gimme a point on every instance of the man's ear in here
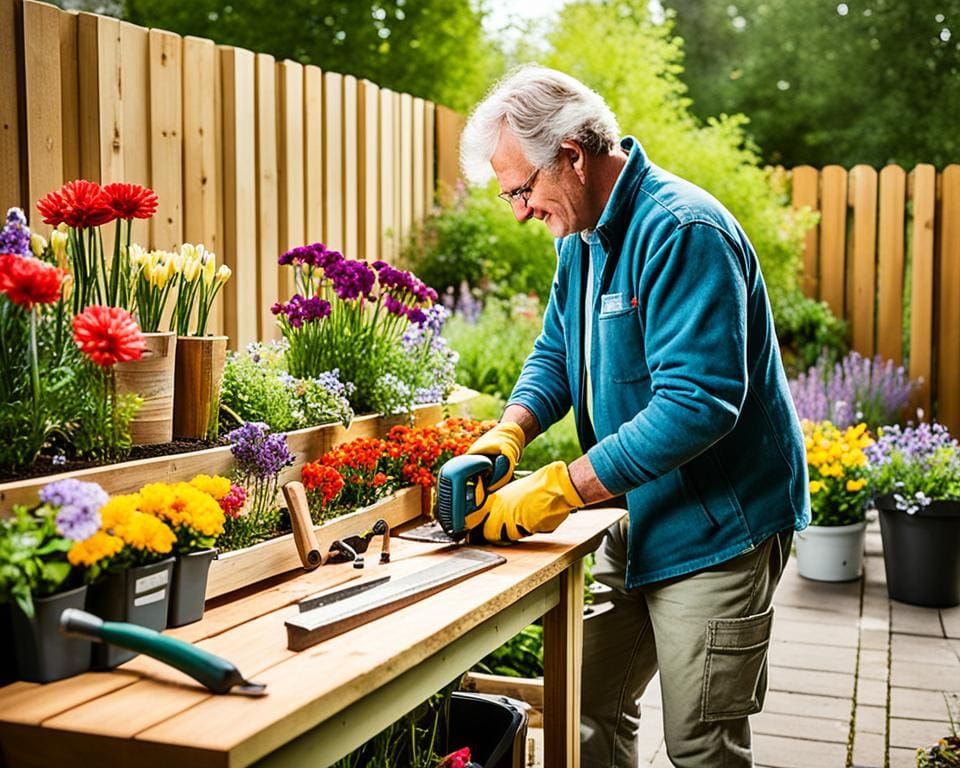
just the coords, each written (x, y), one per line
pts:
(572, 153)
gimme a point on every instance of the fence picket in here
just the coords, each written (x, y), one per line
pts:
(351, 167)
(11, 193)
(368, 129)
(166, 138)
(429, 151)
(419, 170)
(948, 349)
(833, 238)
(406, 166)
(893, 181)
(923, 182)
(313, 152)
(69, 96)
(271, 283)
(862, 287)
(806, 185)
(333, 160)
(449, 126)
(136, 88)
(100, 78)
(290, 168)
(388, 223)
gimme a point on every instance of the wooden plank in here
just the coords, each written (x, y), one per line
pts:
(30, 703)
(44, 140)
(333, 160)
(893, 187)
(833, 238)
(419, 164)
(948, 357)
(69, 96)
(429, 153)
(12, 167)
(239, 194)
(313, 153)
(200, 152)
(289, 157)
(368, 127)
(138, 115)
(406, 168)
(449, 126)
(806, 187)
(269, 276)
(923, 184)
(166, 138)
(562, 653)
(351, 169)
(397, 179)
(863, 287)
(388, 223)
(101, 94)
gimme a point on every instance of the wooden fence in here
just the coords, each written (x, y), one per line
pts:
(886, 256)
(248, 155)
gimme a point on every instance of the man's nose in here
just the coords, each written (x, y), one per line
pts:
(522, 211)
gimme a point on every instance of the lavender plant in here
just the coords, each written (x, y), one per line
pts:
(916, 464)
(260, 456)
(854, 390)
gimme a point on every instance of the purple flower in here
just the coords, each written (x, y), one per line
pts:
(417, 316)
(300, 310)
(259, 453)
(15, 236)
(79, 503)
(917, 445)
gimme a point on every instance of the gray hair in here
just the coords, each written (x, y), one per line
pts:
(541, 108)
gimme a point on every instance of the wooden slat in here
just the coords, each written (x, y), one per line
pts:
(398, 187)
(388, 223)
(11, 109)
(419, 164)
(166, 138)
(351, 169)
(429, 153)
(806, 186)
(269, 276)
(893, 181)
(289, 157)
(948, 357)
(69, 96)
(313, 152)
(201, 147)
(923, 181)
(44, 140)
(136, 134)
(333, 160)
(863, 287)
(368, 128)
(239, 193)
(449, 126)
(101, 119)
(833, 238)
(406, 167)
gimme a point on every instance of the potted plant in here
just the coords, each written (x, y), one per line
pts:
(831, 547)
(915, 474)
(193, 513)
(39, 582)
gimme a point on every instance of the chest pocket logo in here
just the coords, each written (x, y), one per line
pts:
(611, 302)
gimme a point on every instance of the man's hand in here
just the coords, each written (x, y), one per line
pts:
(506, 439)
(537, 503)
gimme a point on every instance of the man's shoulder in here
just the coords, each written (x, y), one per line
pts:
(674, 202)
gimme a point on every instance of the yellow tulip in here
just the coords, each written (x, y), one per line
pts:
(191, 269)
(209, 270)
(58, 240)
(38, 244)
(224, 273)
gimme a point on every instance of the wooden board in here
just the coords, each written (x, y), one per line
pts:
(923, 181)
(948, 358)
(388, 223)
(69, 96)
(351, 169)
(833, 238)
(333, 160)
(449, 126)
(269, 275)
(11, 107)
(166, 138)
(368, 129)
(893, 189)
(806, 185)
(313, 152)
(862, 288)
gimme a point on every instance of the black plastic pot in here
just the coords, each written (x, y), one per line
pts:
(43, 654)
(494, 727)
(921, 552)
(189, 589)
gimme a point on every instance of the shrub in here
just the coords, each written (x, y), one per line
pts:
(808, 332)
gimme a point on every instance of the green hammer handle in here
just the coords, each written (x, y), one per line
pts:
(216, 673)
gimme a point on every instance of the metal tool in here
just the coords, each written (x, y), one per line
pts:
(334, 618)
(340, 593)
(352, 548)
(214, 672)
(461, 489)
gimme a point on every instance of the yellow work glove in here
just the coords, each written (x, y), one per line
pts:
(537, 503)
(505, 439)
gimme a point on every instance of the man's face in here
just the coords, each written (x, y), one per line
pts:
(556, 196)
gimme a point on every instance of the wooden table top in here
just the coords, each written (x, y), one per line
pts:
(147, 714)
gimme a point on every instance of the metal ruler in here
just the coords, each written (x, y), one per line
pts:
(316, 624)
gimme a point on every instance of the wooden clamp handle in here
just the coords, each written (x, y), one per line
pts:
(303, 533)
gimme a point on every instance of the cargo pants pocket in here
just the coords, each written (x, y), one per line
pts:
(735, 668)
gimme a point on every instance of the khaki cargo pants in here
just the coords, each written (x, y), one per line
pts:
(706, 633)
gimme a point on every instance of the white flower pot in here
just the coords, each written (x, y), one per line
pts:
(831, 552)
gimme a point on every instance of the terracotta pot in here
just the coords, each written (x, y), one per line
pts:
(151, 377)
(199, 373)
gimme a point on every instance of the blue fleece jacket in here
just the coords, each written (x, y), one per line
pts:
(692, 416)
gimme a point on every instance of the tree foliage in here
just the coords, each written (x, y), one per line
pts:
(861, 81)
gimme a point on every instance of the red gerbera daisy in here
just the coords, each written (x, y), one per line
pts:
(28, 281)
(80, 204)
(108, 335)
(131, 201)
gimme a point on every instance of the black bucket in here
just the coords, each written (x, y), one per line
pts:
(494, 727)
(921, 552)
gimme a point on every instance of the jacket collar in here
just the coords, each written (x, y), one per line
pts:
(615, 218)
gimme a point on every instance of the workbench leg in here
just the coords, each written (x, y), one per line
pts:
(562, 652)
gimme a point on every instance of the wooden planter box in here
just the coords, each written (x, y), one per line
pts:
(243, 567)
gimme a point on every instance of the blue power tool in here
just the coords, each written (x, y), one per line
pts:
(462, 489)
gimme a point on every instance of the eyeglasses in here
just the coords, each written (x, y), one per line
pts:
(521, 193)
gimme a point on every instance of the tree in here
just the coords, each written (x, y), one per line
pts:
(868, 81)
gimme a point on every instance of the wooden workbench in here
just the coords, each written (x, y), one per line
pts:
(327, 700)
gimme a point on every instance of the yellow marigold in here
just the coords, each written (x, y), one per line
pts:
(118, 510)
(93, 549)
(856, 485)
(217, 486)
(146, 533)
(816, 486)
(196, 509)
(156, 499)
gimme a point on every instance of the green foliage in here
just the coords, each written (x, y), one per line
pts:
(558, 443)
(521, 656)
(478, 241)
(98, 430)
(863, 84)
(937, 476)
(808, 333)
(33, 557)
(493, 348)
(436, 49)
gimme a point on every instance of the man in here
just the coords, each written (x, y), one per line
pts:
(658, 333)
